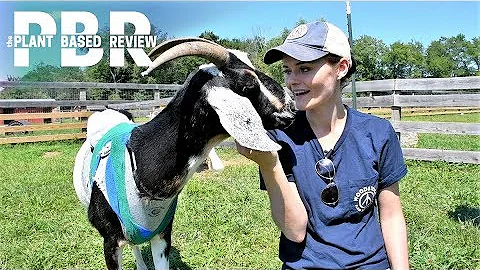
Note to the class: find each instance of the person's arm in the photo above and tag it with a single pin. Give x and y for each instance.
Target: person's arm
(288, 211)
(393, 226)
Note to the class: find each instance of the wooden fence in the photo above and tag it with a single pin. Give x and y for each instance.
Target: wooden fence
(386, 98)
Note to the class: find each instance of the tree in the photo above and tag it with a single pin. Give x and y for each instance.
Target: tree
(453, 57)
(103, 72)
(463, 54)
(48, 73)
(369, 53)
(210, 36)
(439, 63)
(405, 60)
(473, 50)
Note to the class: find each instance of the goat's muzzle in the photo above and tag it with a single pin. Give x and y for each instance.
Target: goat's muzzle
(285, 118)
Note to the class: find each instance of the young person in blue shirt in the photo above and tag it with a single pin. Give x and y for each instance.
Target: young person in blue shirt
(333, 187)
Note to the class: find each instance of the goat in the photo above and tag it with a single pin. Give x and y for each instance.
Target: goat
(146, 166)
(213, 161)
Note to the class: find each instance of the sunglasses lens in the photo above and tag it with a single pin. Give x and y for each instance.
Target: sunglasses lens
(325, 168)
(330, 194)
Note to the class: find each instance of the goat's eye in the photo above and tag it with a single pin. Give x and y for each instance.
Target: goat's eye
(248, 88)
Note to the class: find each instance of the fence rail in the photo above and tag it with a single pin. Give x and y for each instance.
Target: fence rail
(437, 127)
(417, 85)
(386, 98)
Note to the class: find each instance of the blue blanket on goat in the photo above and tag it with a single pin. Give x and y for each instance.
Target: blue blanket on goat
(141, 218)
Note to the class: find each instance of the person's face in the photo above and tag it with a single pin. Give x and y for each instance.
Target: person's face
(313, 83)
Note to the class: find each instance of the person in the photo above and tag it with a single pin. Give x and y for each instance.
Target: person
(333, 187)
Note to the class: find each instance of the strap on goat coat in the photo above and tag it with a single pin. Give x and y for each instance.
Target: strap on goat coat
(121, 190)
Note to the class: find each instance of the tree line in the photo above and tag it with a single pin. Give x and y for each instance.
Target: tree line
(447, 57)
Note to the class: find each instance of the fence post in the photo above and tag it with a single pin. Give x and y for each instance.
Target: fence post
(396, 113)
(156, 97)
(156, 94)
(396, 109)
(83, 97)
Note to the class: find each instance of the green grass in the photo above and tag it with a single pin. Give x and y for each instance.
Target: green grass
(457, 118)
(442, 207)
(449, 142)
(223, 219)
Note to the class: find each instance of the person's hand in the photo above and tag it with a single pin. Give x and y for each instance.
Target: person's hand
(263, 159)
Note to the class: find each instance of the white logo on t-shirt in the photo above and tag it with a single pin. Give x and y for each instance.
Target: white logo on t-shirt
(364, 197)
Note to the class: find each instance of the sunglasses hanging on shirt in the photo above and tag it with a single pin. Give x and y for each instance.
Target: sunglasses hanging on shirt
(326, 170)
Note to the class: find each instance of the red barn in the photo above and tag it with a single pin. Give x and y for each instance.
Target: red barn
(10, 106)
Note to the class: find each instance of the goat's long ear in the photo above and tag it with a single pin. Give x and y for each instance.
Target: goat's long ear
(240, 119)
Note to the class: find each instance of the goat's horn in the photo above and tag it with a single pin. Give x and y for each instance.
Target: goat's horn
(176, 48)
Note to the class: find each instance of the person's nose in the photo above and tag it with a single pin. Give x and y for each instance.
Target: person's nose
(291, 80)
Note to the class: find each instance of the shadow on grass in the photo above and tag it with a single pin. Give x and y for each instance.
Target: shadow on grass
(174, 258)
(176, 261)
(465, 213)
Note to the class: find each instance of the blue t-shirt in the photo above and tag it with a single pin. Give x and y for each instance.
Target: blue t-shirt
(367, 158)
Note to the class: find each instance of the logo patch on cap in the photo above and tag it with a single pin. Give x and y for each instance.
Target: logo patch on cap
(298, 32)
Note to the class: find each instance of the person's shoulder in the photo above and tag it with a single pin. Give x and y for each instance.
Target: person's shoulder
(368, 120)
(370, 126)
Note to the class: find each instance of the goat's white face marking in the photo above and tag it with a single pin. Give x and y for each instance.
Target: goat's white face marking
(273, 99)
(243, 56)
(212, 69)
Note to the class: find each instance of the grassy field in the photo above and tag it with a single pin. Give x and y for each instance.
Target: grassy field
(460, 118)
(223, 219)
(447, 141)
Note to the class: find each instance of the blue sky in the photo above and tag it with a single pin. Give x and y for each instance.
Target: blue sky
(389, 21)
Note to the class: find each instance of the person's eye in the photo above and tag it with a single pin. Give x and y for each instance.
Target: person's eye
(305, 69)
(287, 71)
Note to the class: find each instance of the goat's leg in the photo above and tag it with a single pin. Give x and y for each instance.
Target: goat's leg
(215, 162)
(139, 262)
(113, 254)
(159, 253)
(108, 225)
(161, 245)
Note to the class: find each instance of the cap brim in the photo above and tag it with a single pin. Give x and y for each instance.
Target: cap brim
(297, 51)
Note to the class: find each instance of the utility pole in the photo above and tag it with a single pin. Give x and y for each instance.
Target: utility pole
(350, 40)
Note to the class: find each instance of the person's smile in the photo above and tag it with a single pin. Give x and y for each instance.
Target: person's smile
(301, 92)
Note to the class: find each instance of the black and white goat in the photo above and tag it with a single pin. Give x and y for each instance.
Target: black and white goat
(227, 98)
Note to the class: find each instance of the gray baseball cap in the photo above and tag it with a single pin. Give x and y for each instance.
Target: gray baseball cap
(311, 41)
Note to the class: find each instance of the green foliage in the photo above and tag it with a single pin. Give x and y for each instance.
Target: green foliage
(453, 57)
(369, 53)
(46, 73)
(405, 61)
(210, 36)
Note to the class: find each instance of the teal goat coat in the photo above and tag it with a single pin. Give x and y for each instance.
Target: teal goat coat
(110, 166)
